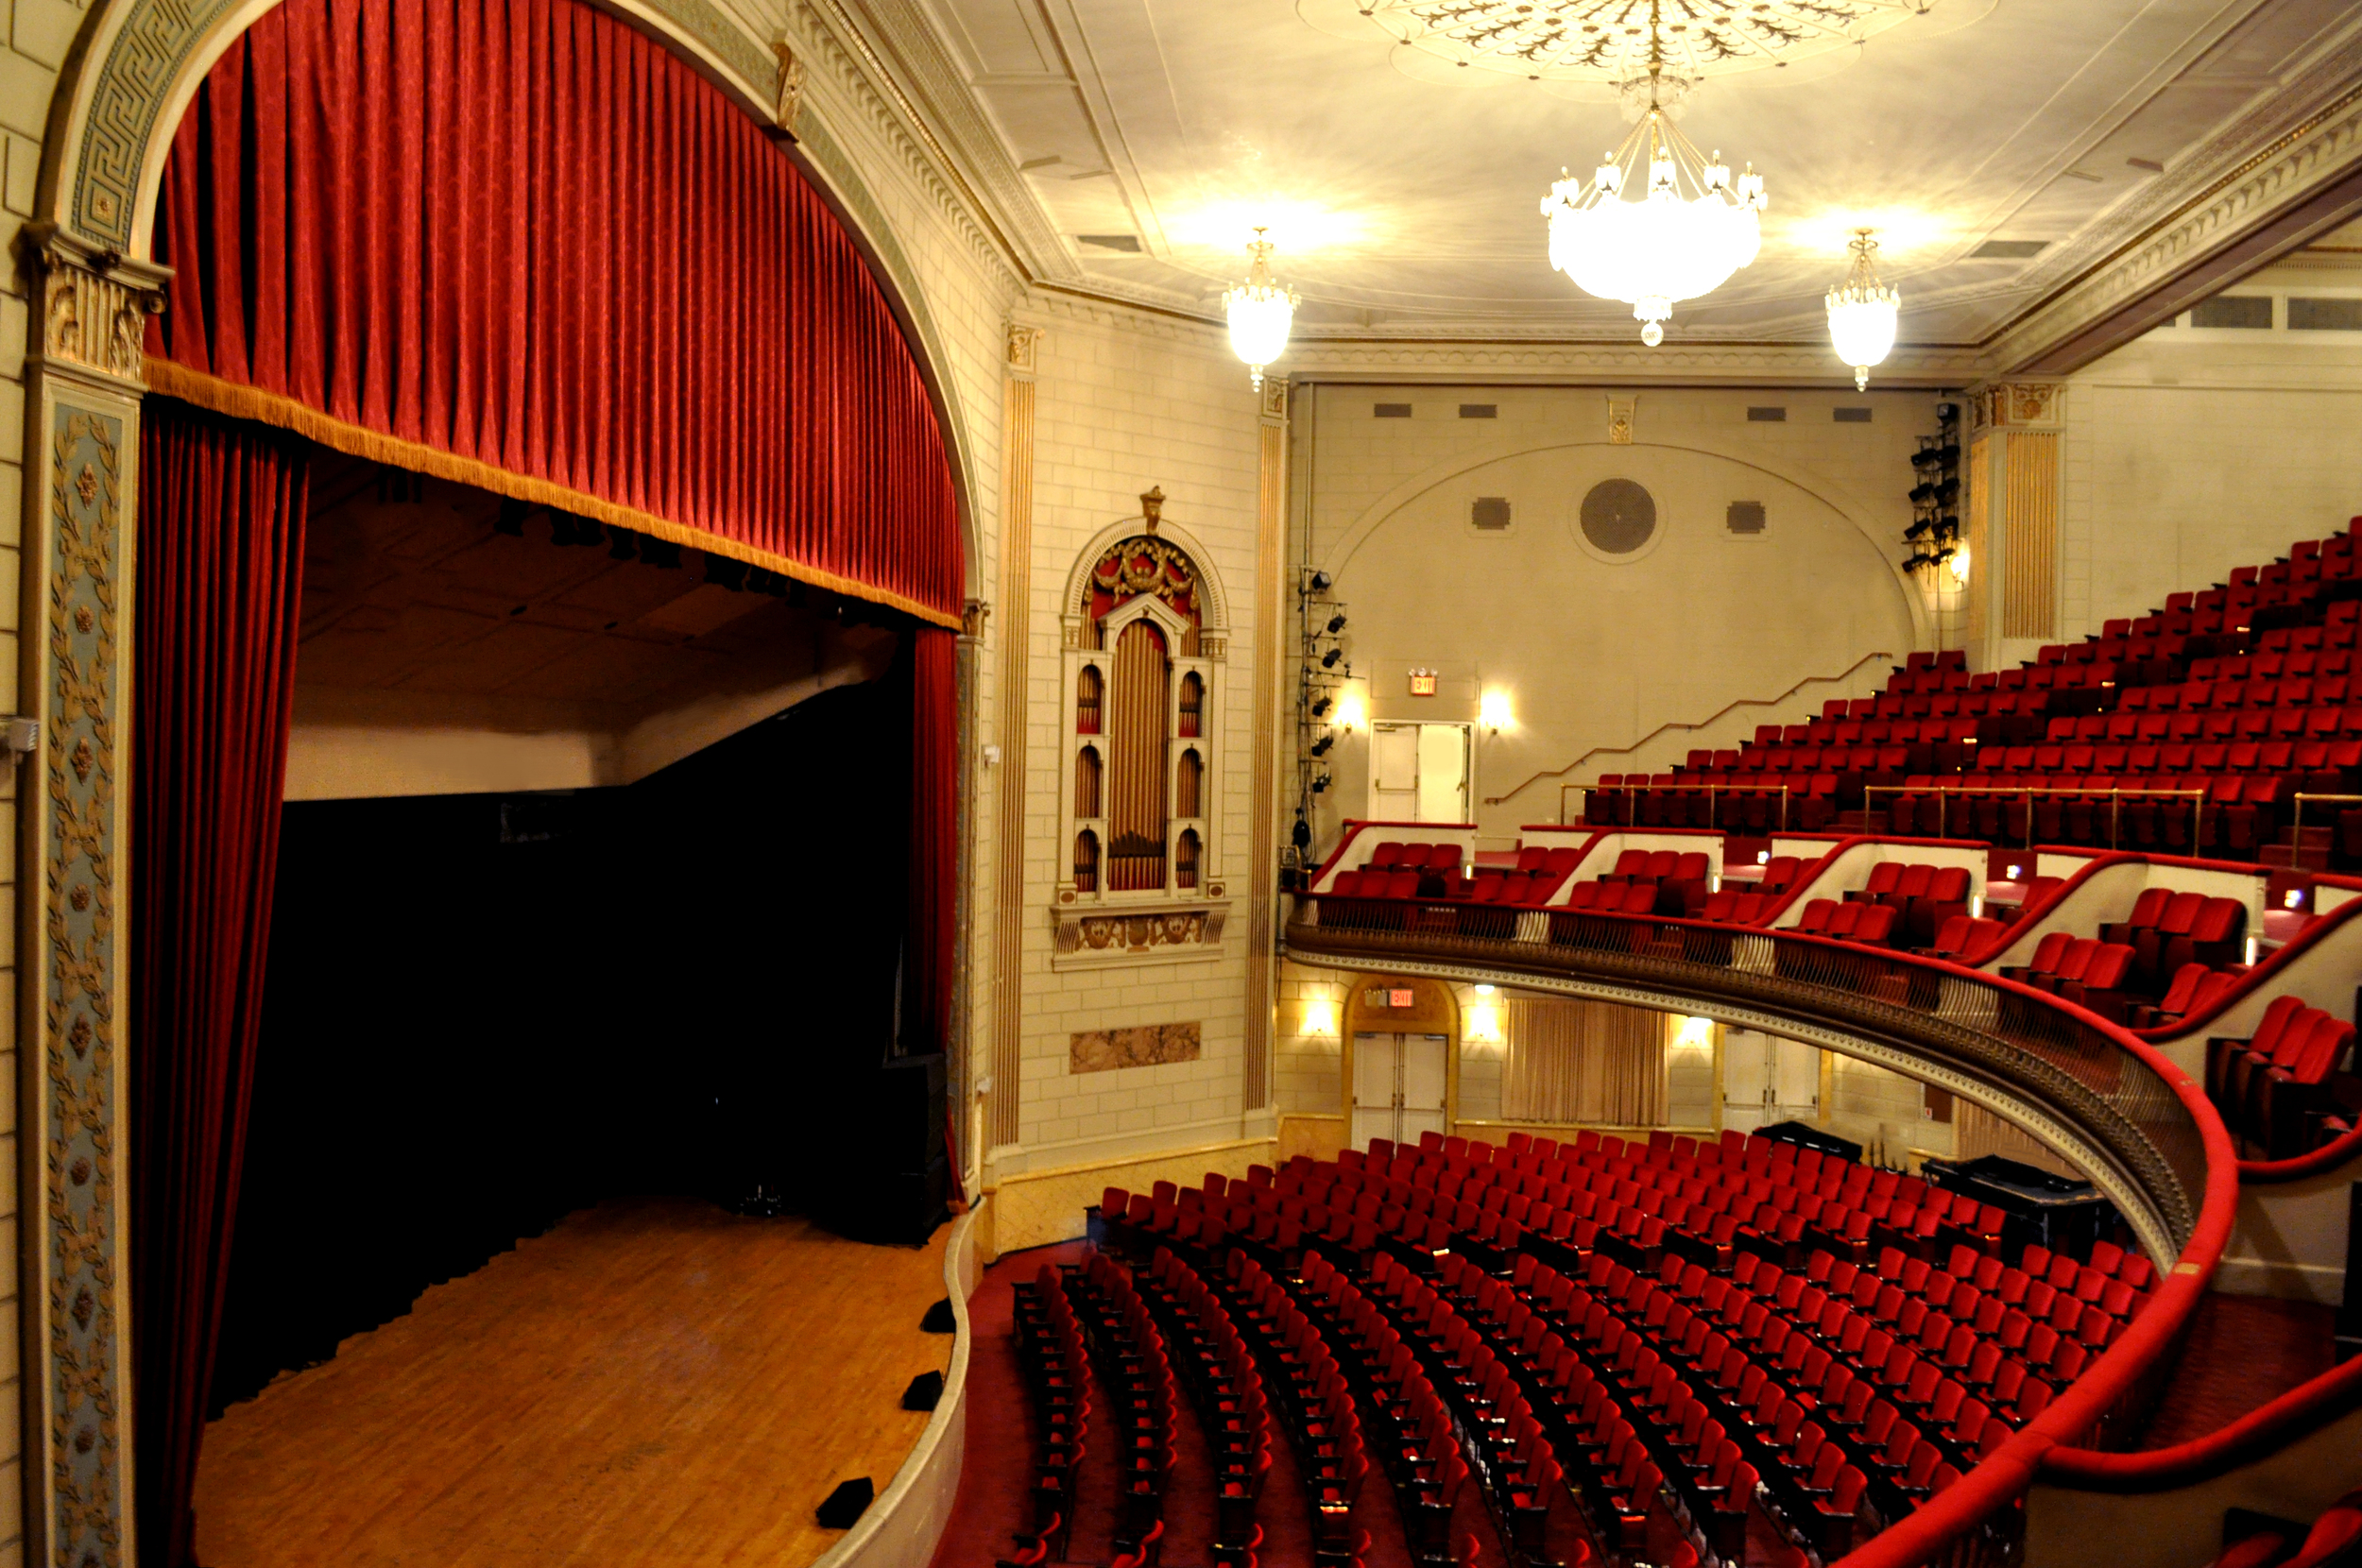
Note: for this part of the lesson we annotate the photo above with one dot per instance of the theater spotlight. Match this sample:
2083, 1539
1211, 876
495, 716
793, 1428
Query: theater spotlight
1319, 784
1320, 747
1320, 709
1328, 660
1335, 624
1317, 582
1301, 834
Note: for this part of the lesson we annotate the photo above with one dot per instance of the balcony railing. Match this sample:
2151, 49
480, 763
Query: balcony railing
2174, 1171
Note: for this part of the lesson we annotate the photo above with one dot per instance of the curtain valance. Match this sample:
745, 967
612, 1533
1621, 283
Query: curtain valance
517, 244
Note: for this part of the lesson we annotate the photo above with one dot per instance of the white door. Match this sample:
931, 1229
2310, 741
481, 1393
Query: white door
1377, 1064
1426, 1079
1768, 1080
1796, 1081
1395, 773
1746, 1078
1443, 772
1419, 773
1400, 1085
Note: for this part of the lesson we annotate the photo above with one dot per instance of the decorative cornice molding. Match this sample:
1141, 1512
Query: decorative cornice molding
2291, 145
1333, 360
95, 306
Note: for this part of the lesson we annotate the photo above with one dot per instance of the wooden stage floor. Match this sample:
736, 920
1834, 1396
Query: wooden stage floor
653, 1382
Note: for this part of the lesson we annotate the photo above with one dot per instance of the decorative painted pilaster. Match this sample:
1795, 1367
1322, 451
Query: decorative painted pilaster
2012, 482
1271, 550
82, 473
1016, 593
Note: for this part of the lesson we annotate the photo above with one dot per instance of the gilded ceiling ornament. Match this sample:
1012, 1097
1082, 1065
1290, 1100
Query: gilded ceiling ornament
1608, 40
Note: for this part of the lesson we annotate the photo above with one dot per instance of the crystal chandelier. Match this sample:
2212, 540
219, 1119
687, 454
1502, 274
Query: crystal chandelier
1261, 312
1692, 227
1862, 312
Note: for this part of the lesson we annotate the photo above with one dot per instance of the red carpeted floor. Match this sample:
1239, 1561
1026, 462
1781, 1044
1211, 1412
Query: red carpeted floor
997, 1468
2243, 1351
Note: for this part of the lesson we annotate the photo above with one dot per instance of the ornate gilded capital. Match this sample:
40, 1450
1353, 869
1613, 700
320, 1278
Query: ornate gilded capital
1275, 398
1022, 343
95, 305
789, 106
2015, 404
972, 617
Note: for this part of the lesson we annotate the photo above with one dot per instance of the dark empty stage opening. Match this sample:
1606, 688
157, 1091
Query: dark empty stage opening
592, 883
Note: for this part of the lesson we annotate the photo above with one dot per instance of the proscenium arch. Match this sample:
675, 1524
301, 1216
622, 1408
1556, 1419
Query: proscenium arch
135, 66
1837, 498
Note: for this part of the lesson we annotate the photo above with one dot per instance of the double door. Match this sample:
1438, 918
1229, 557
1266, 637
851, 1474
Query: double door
1419, 773
1400, 1085
1768, 1080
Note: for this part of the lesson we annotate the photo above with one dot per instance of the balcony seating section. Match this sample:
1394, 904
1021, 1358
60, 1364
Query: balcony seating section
1671, 1326
1051, 1351
2188, 731
1963, 937
2291, 1086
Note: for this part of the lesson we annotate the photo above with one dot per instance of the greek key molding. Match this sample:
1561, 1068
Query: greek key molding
80, 1013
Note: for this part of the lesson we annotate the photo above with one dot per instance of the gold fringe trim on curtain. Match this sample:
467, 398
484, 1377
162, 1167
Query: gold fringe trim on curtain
240, 402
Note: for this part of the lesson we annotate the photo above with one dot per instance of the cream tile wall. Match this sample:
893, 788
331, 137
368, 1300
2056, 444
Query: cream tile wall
1590, 654
1126, 402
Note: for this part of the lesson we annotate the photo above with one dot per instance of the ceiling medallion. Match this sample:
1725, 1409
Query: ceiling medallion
1613, 41
1692, 227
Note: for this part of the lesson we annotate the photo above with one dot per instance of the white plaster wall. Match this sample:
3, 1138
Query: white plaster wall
2188, 453
1592, 653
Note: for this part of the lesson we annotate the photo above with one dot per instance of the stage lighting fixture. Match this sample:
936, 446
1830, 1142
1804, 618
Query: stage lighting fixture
1328, 660
660, 552
1317, 582
1320, 747
1320, 709
1335, 624
1301, 834
621, 546
723, 573
1319, 784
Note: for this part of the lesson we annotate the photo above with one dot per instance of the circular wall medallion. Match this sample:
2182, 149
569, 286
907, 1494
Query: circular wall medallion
1618, 517
1608, 40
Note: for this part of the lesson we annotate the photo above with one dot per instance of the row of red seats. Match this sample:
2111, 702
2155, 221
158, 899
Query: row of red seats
1430, 1454
1052, 1354
1314, 1400
1137, 1375
2226, 815
2169, 929
1225, 1388
2290, 1087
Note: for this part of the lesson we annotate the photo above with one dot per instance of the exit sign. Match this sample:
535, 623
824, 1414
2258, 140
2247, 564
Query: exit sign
1423, 683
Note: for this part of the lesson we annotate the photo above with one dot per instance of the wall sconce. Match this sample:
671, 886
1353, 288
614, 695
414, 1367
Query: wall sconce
1696, 1031
1484, 1023
1350, 713
1958, 563
1320, 1018
1493, 712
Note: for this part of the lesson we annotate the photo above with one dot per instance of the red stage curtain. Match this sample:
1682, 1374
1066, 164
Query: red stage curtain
935, 834
221, 510
517, 244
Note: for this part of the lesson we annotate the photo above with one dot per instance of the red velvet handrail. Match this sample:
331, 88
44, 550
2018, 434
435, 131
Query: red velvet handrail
2000, 1479
519, 245
2303, 1410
